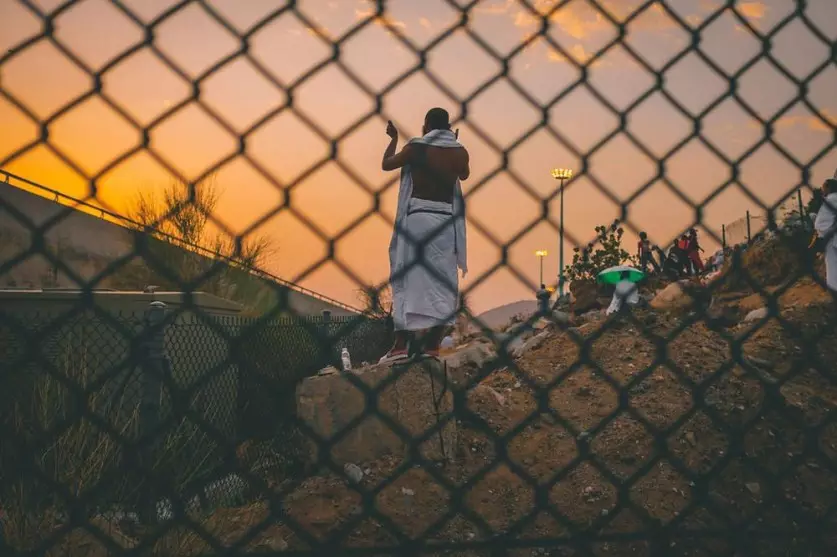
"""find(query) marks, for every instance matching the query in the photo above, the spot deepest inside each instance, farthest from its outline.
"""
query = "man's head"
(829, 187)
(643, 236)
(436, 119)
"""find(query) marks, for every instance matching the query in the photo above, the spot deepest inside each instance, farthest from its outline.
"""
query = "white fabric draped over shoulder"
(826, 227)
(626, 293)
(428, 247)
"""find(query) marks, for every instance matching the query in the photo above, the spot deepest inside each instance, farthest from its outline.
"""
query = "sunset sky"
(188, 137)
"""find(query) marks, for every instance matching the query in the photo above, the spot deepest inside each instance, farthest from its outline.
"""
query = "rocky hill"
(682, 429)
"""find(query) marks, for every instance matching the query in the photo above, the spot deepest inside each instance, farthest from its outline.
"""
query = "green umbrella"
(614, 274)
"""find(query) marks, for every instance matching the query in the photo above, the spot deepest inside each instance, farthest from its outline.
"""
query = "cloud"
(385, 20)
(752, 10)
(577, 20)
(580, 19)
(495, 6)
(576, 52)
(817, 124)
(807, 120)
(424, 22)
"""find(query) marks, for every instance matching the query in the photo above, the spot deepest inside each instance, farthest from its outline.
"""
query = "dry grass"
(70, 463)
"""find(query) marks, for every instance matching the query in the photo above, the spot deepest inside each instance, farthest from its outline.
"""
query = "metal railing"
(125, 222)
(701, 423)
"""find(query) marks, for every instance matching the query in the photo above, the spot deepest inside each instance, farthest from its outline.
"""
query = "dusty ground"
(669, 439)
(698, 443)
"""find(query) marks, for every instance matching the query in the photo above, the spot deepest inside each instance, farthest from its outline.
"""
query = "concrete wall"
(87, 244)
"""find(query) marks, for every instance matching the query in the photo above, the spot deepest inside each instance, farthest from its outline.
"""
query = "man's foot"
(430, 342)
(394, 356)
(400, 349)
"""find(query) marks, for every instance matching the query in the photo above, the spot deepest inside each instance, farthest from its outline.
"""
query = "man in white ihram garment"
(826, 226)
(626, 292)
(428, 246)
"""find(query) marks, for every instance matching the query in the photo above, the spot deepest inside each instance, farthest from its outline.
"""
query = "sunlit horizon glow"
(268, 188)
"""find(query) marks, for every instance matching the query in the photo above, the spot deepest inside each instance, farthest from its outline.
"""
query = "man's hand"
(391, 131)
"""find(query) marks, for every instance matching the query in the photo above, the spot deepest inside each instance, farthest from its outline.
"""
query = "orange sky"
(191, 141)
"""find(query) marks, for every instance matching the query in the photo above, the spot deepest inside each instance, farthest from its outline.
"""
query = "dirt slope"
(695, 442)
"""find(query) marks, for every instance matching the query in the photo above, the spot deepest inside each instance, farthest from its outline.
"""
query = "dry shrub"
(60, 459)
(773, 261)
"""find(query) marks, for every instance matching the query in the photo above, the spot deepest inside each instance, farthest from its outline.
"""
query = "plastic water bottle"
(447, 345)
(347, 360)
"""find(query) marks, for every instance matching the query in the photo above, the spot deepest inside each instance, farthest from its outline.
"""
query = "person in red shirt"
(683, 251)
(694, 250)
(645, 255)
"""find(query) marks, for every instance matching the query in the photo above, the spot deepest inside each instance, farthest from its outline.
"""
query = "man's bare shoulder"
(449, 151)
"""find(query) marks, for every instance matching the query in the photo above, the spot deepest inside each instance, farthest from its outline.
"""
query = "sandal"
(429, 354)
(394, 356)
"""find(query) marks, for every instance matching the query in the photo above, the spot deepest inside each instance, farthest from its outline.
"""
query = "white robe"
(428, 245)
(826, 227)
(626, 292)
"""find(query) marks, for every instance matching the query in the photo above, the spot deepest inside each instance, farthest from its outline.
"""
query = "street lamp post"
(561, 174)
(541, 253)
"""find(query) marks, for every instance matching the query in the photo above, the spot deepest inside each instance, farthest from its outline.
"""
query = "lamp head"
(562, 173)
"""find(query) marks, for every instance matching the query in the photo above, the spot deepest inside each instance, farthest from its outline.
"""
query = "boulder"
(515, 336)
(561, 317)
(756, 315)
(416, 400)
(531, 344)
(476, 354)
(585, 296)
(484, 392)
(672, 297)
(519, 331)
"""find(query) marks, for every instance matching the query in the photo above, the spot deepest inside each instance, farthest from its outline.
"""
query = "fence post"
(328, 352)
(724, 236)
(153, 363)
(802, 221)
(749, 237)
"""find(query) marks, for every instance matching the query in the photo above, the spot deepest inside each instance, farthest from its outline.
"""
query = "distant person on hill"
(645, 253)
(625, 296)
(681, 248)
(826, 227)
(672, 266)
(694, 250)
(428, 240)
(543, 300)
(717, 260)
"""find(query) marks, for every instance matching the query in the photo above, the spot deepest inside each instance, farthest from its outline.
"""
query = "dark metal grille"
(647, 433)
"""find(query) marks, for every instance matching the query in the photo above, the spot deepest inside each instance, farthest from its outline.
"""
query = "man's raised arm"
(393, 160)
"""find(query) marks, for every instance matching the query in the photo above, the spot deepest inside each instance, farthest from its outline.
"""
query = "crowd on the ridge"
(683, 258)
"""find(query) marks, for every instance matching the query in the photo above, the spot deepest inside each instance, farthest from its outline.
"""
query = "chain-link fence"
(118, 358)
(788, 216)
(700, 422)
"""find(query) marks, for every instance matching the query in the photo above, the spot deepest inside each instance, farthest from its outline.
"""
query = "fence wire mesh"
(683, 428)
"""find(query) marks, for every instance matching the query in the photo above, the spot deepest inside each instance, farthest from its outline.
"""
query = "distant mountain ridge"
(499, 317)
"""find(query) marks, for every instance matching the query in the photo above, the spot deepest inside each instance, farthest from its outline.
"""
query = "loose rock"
(501, 400)
(756, 315)
(354, 472)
